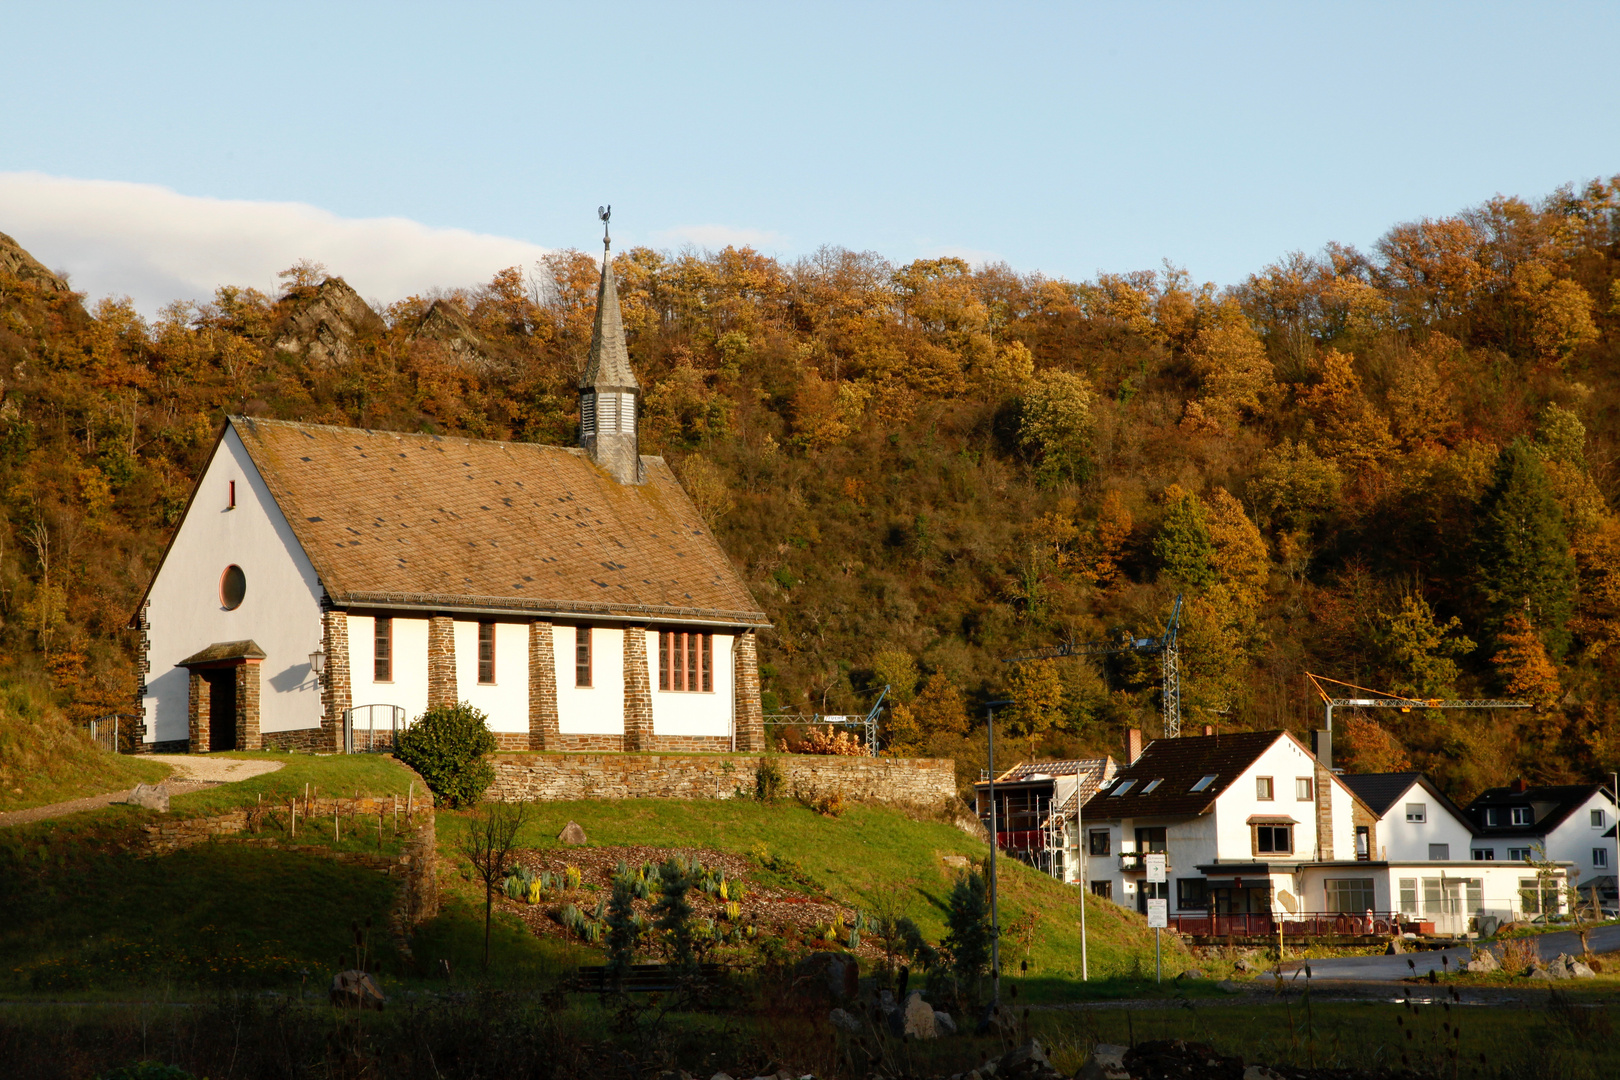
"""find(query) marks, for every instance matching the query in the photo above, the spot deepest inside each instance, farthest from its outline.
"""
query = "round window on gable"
(232, 587)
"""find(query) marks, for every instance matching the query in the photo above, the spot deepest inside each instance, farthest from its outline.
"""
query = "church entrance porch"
(223, 712)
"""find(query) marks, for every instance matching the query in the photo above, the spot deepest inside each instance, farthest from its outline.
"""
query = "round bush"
(448, 745)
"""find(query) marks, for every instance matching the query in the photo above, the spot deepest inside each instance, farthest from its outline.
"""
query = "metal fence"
(368, 728)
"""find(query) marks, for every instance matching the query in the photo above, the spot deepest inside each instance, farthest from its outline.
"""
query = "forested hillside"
(1395, 467)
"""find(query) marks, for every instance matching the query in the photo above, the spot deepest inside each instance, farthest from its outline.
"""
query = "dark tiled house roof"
(1380, 791)
(1179, 764)
(393, 519)
(1550, 806)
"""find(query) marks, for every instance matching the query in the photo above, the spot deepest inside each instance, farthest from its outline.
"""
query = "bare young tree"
(491, 834)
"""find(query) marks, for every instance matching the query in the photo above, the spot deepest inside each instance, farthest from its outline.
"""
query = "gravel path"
(191, 773)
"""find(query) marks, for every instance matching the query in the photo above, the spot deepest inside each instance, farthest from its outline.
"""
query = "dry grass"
(45, 759)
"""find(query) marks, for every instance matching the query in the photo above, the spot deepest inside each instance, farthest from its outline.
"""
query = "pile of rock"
(1564, 967)
(914, 1018)
(1028, 1062)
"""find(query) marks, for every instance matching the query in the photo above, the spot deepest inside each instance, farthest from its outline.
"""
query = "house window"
(1203, 782)
(1121, 788)
(1485, 854)
(1151, 785)
(231, 497)
(685, 661)
(382, 649)
(1439, 852)
(1597, 819)
(1531, 891)
(1192, 894)
(486, 652)
(1417, 812)
(582, 656)
(1409, 896)
(1521, 815)
(1304, 789)
(1493, 816)
(1518, 854)
(1273, 839)
(1103, 890)
(1151, 839)
(1100, 843)
(1600, 857)
(1263, 788)
(1349, 895)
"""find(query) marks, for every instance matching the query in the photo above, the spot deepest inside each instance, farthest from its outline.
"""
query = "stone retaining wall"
(927, 782)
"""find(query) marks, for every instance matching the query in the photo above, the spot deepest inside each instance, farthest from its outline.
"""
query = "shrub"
(968, 918)
(449, 746)
(768, 781)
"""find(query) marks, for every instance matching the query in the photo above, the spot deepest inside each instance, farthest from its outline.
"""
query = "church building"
(326, 584)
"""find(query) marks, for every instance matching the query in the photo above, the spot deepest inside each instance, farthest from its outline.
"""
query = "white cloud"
(156, 245)
(715, 237)
(972, 256)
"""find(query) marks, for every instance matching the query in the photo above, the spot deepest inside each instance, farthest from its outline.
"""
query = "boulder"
(1260, 1072)
(943, 1023)
(1395, 948)
(846, 1022)
(1482, 962)
(1243, 966)
(919, 1018)
(1107, 1062)
(1026, 1060)
(443, 322)
(572, 834)
(356, 990)
(835, 975)
(1191, 973)
(16, 262)
(997, 1020)
(1578, 970)
(152, 798)
(1547, 973)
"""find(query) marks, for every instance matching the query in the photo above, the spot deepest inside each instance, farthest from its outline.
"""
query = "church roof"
(393, 519)
(608, 365)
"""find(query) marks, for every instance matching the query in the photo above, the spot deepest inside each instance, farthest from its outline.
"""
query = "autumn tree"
(1037, 700)
(1057, 425)
(1522, 663)
(1113, 529)
(1233, 370)
(1416, 651)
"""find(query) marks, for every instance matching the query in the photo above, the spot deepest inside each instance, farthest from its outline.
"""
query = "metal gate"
(374, 726)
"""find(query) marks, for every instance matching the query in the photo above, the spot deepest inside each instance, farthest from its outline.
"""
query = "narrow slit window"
(382, 650)
(231, 505)
(708, 662)
(486, 652)
(691, 661)
(663, 660)
(582, 656)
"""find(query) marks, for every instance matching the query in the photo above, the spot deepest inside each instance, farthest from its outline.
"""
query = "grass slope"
(44, 759)
(876, 859)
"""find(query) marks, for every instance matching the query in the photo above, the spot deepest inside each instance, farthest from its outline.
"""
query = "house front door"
(221, 709)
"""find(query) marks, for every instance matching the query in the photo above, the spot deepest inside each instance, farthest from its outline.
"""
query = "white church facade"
(325, 578)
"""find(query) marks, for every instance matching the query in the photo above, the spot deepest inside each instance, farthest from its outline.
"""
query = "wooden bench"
(643, 978)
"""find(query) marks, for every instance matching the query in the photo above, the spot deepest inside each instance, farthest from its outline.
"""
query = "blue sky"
(1063, 138)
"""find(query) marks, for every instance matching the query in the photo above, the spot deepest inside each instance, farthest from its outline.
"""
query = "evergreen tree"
(1183, 546)
(968, 920)
(1522, 559)
(623, 933)
(674, 915)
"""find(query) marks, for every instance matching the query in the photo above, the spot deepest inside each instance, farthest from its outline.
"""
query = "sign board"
(1158, 913)
(1155, 868)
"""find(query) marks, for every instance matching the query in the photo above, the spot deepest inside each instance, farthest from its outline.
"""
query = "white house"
(1256, 831)
(1571, 823)
(1416, 822)
(571, 593)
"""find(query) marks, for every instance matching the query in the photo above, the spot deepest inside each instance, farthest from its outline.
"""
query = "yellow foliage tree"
(1365, 747)
(940, 709)
(1240, 557)
(1559, 312)
(1114, 524)
(1233, 371)
(1523, 664)
(1037, 695)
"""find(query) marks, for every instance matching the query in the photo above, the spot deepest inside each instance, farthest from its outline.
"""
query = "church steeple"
(609, 395)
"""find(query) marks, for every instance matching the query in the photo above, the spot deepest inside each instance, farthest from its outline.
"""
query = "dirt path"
(191, 773)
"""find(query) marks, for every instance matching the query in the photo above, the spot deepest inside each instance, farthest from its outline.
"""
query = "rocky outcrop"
(445, 324)
(16, 262)
(324, 324)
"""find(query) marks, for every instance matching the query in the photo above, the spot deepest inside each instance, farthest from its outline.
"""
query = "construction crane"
(1167, 646)
(1382, 700)
(867, 724)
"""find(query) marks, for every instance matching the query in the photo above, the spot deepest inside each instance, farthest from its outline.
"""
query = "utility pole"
(995, 922)
(1080, 848)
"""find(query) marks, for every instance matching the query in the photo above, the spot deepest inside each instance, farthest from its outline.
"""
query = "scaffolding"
(865, 724)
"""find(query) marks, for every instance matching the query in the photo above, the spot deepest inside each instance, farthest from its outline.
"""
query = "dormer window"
(1151, 785)
(1493, 815)
(1121, 788)
(1203, 782)
(1521, 815)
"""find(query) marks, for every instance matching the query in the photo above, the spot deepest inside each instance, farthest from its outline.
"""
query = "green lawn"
(876, 859)
(343, 775)
(87, 771)
(236, 914)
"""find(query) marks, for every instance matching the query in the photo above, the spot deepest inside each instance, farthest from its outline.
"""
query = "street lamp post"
(995, 923)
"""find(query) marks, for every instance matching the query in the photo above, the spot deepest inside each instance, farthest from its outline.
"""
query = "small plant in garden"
(534, 892)
(571, 877)
(624, 927)
(546, 882)
(572, 919)
(449, 745)
(675, 915)
(769, 782)
(733, 911)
